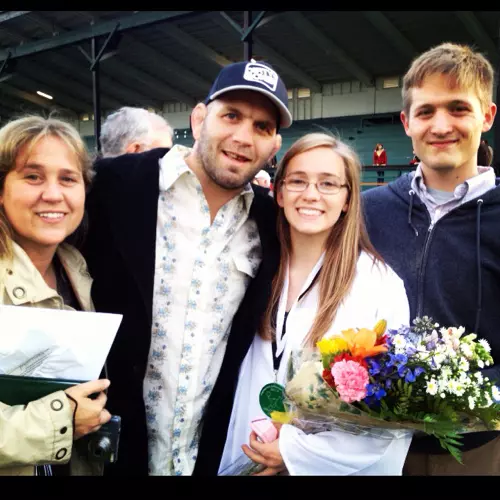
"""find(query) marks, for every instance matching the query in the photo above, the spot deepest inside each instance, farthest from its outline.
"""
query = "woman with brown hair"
(330, 278)
(45, 171)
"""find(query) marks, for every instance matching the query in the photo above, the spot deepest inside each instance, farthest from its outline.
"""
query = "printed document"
(52, 343)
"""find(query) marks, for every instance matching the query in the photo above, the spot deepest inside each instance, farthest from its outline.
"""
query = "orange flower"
(362, 342)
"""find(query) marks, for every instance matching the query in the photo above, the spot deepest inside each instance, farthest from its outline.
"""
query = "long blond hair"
(347, 238)
(27, 131)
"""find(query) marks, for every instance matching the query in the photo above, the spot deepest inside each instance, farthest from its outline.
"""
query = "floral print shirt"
(202, 270)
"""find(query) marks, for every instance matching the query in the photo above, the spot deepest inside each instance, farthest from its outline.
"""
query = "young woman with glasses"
(330, 278)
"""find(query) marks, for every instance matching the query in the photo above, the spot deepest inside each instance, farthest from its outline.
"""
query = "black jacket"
(120, 252)
(451, 270)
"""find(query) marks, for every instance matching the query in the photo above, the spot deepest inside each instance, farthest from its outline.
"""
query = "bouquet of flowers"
(380, 383)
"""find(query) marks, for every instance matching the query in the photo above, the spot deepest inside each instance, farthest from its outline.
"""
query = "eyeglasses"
(325, 186)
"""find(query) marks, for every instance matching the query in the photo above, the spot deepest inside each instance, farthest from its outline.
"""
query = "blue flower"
(392, 360)
(419, 370)
(388, 383)
(410, 350)
(374, 367)
(402, 369)
(410, 377)
(374, 390)
(401, 359)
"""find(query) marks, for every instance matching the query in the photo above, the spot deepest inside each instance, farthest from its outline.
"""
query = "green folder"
(16, 390)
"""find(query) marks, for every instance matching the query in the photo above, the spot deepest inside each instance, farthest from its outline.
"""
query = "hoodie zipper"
(423, 262)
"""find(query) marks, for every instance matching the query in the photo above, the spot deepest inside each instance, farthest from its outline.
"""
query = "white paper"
(53, 343)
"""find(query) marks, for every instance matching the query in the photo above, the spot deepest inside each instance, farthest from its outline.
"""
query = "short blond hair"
(465, 68)
(27, 131)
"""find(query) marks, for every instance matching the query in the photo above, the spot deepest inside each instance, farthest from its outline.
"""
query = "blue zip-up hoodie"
(451, 269)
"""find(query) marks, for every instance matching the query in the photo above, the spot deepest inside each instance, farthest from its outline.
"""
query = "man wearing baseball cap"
(184, 247)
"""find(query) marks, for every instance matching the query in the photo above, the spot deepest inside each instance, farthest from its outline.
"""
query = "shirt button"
(63, 430)
(56, 405)
(19, 292)
(61, 453)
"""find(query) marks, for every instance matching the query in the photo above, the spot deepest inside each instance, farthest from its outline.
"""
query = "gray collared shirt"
(439, 203)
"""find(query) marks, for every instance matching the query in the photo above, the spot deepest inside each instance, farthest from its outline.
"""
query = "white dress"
(377, 293)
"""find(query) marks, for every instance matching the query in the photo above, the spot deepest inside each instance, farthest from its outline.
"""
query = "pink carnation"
(351, 380)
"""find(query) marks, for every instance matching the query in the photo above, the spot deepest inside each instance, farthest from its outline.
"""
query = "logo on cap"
(256, 72)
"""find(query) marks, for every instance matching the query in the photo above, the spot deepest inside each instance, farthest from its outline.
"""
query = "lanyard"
(277, 359)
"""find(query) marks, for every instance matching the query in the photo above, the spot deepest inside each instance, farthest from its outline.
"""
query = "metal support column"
(96, 93)
(247, 43)
(111, 44)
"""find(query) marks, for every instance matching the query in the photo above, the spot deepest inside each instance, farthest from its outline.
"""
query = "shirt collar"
(173, 165)
(484, 179)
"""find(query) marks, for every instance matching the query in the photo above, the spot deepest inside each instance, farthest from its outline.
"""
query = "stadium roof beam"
(331, 49)
(480, 35)
(127, 94)
(12, 14)
(95, 30)
(118, 87)
(162, 60)
(387, 29)
(34, 99)
(194, 45)
(295, 72)
(62, 87)
(60, 98)
(145, 79)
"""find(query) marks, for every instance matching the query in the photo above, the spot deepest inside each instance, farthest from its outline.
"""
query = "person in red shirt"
(379, 160)
(379, 156)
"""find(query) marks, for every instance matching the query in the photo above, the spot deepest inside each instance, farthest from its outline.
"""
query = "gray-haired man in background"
(133, 130)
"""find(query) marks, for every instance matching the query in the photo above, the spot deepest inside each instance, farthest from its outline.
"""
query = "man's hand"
(90, 413)
(267, 454)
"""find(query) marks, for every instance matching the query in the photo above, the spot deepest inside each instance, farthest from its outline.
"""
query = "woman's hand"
(267, 454)
(90, 413)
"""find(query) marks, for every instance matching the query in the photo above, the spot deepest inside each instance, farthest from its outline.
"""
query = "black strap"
(277, 360)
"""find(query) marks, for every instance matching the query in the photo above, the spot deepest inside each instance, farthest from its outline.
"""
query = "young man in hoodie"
(438, 227)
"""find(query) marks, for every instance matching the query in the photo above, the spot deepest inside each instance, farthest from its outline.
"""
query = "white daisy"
(472, 402)
(485, 345)
(463, 365)
(432, 387)
(495, 392)
(399, 341)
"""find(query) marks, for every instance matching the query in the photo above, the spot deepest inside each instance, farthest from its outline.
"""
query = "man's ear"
(405, 120)
(198, 116)
(489, 117)
(277, 145)
(133, 147)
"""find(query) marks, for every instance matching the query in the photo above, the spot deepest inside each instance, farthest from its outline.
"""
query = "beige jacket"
(42, 431)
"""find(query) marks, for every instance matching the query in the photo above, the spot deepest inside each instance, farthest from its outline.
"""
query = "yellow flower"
(380, 327)
(331, 345)
(282, 417)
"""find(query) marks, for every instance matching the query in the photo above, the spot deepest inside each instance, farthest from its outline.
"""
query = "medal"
(271, 398)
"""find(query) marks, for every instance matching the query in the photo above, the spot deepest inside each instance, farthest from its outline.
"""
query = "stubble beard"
(208, 158)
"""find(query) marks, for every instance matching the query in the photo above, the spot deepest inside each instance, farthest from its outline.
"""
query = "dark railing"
(378, 176)
(374, 176)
